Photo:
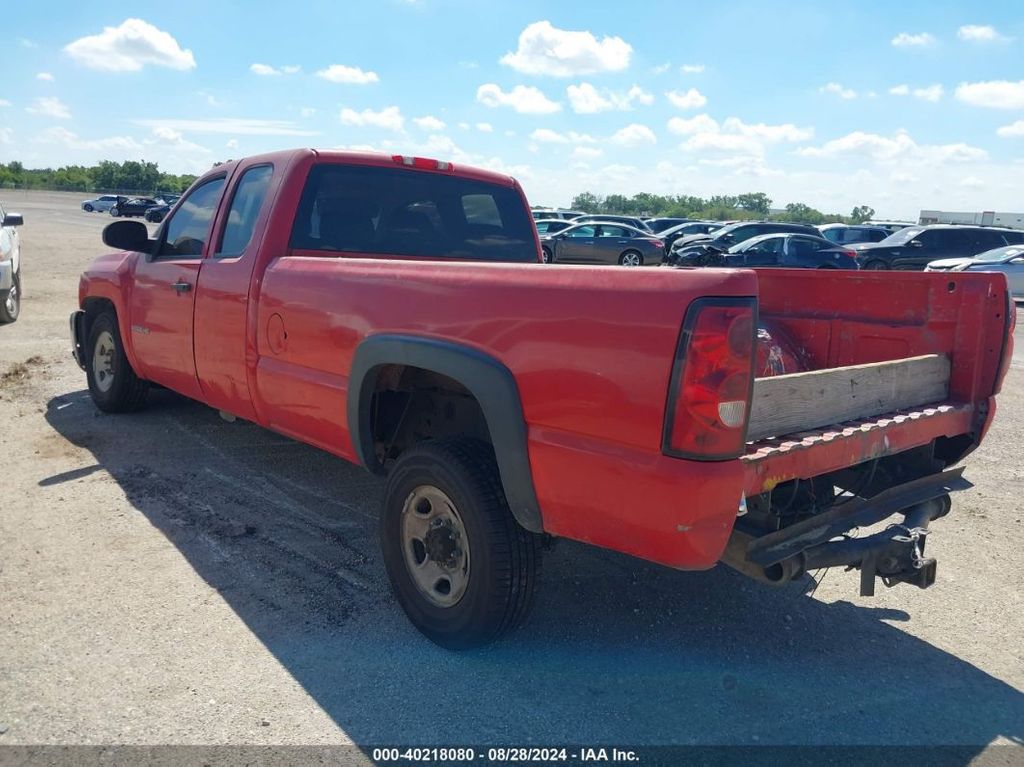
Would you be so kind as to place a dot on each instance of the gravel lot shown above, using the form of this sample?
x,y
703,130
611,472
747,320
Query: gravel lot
x,y
168,577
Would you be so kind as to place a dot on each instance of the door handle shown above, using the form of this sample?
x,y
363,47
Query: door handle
x,y
182,287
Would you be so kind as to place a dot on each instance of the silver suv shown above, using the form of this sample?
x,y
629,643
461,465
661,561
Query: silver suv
x,y
103,203
10,266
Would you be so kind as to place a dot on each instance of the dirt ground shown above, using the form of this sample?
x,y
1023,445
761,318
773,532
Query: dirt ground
x,y
168,577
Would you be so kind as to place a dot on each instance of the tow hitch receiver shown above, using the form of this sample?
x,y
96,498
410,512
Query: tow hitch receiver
x,y
896,554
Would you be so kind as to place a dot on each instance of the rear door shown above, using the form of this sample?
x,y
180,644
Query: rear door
x,y
765,253
610,242
164,289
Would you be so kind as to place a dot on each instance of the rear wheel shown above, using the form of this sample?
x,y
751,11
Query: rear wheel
x,y
10,308
460,566
875,266
631,258
115,212
113,385
546,255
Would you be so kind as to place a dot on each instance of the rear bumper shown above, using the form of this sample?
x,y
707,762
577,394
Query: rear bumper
x,y
77,326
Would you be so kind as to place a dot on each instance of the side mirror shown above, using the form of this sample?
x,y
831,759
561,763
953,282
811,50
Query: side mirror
x,y
13,219
127,235
916,244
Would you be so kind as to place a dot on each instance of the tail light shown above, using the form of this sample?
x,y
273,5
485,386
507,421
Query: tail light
x,y
712,381
1011,324
658,243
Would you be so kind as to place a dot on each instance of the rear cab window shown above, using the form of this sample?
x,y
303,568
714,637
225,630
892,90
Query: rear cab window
x,y
375,210
246,204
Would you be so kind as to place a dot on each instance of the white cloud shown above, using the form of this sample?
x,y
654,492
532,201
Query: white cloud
x,y
838,90
546,50
997,94
485,127
691,69
907,40
586,99
464,126
1012,130
900,90
268,71
389,118
339,73
49,106
4,103
979,33
972,182
770,133
45,77
634,135
129,47
661,68
889,148
232,143
692,99
524,99
586,153
548,136
231,125
688,126
428,123
71,140
931,93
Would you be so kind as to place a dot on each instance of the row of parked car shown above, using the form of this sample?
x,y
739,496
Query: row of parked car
x,y
151,208
572,237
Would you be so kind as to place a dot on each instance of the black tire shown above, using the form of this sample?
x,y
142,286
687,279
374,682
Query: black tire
x,y
115,212
10,301
875,266
628,254
503,558
88,208
546,255
123,391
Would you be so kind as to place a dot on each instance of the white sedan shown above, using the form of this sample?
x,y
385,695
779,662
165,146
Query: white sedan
x,y
10,266
1009,260
103,203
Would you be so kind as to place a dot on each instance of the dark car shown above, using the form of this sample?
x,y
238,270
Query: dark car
x,y
689,250
672,234
659,225
849,234
551,225
603,242
157,213
914,247
636,223
794,251
132,206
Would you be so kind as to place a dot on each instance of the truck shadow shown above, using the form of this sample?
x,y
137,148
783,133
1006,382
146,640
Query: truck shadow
x,y
617,650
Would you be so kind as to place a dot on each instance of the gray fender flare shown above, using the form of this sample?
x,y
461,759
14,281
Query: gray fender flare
x,y
486,378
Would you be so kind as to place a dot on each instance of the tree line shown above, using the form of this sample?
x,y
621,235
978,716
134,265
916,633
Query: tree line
x,y
107,176
752,205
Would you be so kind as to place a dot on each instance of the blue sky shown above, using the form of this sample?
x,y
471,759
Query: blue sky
x,y
900,106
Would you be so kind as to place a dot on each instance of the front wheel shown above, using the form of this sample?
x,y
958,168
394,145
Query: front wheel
x,y
10,308
88,208
460,565
875,266
113,385
545,254
631,258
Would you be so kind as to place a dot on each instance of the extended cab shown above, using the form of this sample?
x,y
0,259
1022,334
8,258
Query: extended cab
x,y
394,312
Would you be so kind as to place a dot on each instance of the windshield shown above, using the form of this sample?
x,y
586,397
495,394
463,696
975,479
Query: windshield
x,y
903,236
996,255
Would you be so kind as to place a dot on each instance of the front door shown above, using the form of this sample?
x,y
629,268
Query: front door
x,y
164,289
577,244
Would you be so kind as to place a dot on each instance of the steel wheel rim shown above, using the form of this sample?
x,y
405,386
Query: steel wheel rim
x,y
103,361
11,303
435,547
545,256
631,259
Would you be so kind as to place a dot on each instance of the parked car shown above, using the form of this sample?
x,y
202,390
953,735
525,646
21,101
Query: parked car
x,y
916,246
848,234
169,199
632,409
157,213
689,250
1009,260
795,251
132,206
602,242
549,213
10,266
891,226
636,223
659,225
551,225
672,234
102,204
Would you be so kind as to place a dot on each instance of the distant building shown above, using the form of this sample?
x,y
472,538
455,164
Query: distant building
x,y
983,218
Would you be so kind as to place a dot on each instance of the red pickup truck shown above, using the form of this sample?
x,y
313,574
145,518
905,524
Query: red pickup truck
x,y
394,311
